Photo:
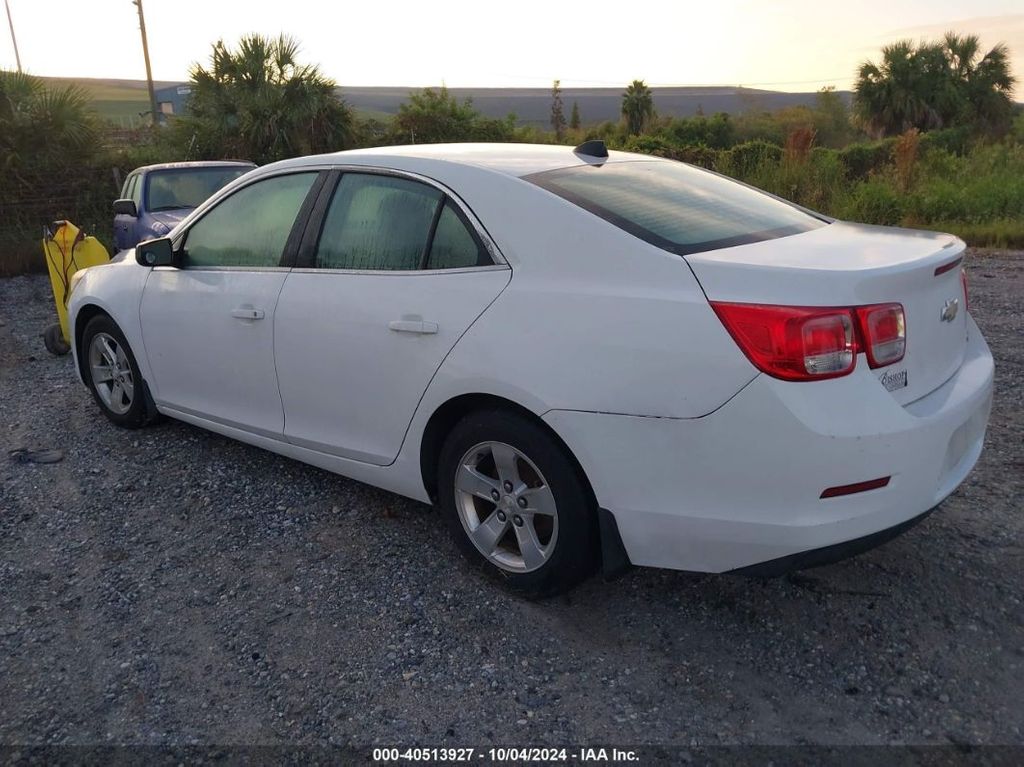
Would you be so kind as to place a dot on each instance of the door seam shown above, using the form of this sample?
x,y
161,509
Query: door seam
x,y
273,352
440,365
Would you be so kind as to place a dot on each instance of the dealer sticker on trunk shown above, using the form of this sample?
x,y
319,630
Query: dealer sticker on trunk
x,y
894,379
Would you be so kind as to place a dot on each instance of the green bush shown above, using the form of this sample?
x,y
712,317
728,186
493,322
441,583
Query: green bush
x,y
745,160
1016,134
717,131
612,133
758,126
650,145
984,185
702,156
872,202
953,140
861,160
1001,233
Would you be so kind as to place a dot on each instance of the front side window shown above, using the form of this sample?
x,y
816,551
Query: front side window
x,y
251,227
386,223
676,207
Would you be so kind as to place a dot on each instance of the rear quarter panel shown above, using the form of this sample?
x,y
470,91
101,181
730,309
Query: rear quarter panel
x,y
594,319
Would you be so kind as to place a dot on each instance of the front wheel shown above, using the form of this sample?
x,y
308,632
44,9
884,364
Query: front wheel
x,y
516,504
113,375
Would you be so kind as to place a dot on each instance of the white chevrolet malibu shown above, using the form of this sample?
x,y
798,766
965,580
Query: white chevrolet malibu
x,y
584,359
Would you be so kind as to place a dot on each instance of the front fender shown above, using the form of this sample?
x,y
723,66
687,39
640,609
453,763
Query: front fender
x,y
114,289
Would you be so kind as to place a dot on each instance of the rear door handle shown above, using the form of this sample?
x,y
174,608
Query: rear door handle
x,y
247,313
413,326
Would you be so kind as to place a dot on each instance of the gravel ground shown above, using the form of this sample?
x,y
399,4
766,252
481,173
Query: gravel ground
x,y
170,586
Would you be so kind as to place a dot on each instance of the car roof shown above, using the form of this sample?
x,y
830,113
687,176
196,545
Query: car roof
x,y
508,159
195,164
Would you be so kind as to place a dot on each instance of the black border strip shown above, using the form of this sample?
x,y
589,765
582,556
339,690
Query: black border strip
x,y
827,555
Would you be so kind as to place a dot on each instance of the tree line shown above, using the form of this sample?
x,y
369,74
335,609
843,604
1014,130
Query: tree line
x,y
917,117
258,100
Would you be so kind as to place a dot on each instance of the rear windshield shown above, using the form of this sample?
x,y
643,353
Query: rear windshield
x,y
177,188
677,207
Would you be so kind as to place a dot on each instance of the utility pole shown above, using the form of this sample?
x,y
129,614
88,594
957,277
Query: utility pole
x,y
149,70
10,23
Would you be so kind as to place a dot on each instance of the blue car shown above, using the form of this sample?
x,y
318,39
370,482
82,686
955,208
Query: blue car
x,y
156,197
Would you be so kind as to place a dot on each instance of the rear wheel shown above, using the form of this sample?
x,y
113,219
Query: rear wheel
x,y
113,375
516,504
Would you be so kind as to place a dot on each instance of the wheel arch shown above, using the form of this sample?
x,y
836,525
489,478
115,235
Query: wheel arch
x,y
86,314
444,418
82,318
614,559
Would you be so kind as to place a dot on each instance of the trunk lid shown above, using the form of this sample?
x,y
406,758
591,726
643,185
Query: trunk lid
x,y
852,265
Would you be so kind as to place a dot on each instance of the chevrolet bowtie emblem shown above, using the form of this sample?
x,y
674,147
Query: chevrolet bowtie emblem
x,y
949,310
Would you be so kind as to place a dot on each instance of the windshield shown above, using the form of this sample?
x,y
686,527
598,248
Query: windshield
x,y
176,188
677,207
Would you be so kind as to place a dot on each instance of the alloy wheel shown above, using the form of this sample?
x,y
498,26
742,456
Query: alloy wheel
x,y
506,507
111,373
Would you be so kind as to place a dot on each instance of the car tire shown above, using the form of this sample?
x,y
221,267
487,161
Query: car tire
x,y
118,388
516,504
53,340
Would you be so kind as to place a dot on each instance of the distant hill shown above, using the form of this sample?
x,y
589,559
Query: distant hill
x,y
533,105
122,101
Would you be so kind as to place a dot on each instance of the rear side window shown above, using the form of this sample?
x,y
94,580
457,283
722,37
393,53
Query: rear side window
x,y
386,223
377,222
454,245
136,192
130,188
677,207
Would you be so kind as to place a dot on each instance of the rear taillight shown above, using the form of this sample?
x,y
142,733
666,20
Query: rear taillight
x,y
963,281
809,343
884,333
793,343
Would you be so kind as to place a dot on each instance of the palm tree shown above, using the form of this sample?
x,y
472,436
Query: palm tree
x,y
637,106
257,101
899,93
984,80
41,125
935,85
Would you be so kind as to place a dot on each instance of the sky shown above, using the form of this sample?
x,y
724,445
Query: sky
x,y
792,45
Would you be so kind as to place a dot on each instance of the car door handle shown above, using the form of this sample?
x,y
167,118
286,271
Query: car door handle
x,y
247,313
413,326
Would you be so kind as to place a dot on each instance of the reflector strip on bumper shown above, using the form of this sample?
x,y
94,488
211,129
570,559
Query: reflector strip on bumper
x,y
857,487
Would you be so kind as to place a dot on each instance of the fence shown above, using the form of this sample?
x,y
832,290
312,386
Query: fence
x,y
31,197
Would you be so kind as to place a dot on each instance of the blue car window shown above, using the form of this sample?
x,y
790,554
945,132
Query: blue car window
x,y
179,188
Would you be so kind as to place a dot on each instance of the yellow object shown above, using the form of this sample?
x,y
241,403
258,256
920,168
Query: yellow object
x,y
68,250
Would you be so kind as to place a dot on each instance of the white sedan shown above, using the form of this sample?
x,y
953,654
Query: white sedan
x,y
584,359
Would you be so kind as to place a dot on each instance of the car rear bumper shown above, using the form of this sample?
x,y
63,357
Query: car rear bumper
x,y
742,486
827,555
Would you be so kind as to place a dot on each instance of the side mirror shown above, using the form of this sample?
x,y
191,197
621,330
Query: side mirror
x,y
156,253
125,208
